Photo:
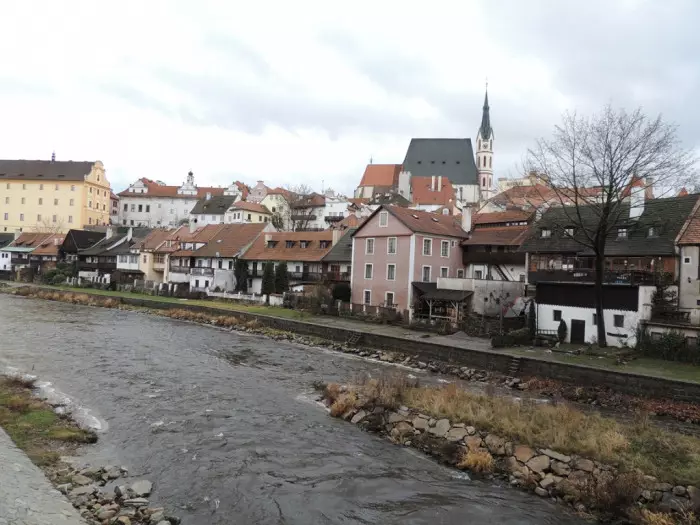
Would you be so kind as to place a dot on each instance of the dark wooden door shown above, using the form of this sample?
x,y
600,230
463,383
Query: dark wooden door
x,y
578,331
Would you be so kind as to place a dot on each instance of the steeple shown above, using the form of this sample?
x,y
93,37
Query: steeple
x,y
485,129
484,151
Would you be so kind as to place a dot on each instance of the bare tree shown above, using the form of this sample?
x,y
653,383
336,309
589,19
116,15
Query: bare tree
x,y
47,226
295,216
594,167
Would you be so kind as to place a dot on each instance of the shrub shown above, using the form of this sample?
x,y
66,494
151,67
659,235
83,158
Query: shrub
x,y
512,338
342,292
532,320
345,402
476,461
672,346
561,331
281,278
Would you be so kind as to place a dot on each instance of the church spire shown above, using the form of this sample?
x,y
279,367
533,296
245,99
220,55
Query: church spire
x,y
485,129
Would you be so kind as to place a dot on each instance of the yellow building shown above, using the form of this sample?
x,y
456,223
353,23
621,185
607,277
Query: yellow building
x,y
38,195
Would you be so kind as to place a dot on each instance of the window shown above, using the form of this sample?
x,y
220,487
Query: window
x,y
24,186
133,207
89,204
426,274
390,272
148,208
369,246
478,274
21,216
545,233
383,218
427,246
569,232
90,220
686,260
249,216
622,233
196,283
444,248
7,216
460,274
444,271
126,207
72,188
595,319
23,200
389,299
391,246
72,201
7,200
70,219
368,271
56,188
619,321
557,315
90,190
230,265
651,232
38,218
131,222
140,207
367,297
289,244
104,207
41,186
303,244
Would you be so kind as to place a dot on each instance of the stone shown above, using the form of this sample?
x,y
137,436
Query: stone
x,y
157,516
79,479
441,428
473,442
113,473
136,502
92,472
471,430
420,423
555,455
694,496
679,490
579,478
123,520
663,487
141,488
549,480
164,522
63,488
541,492
121,491
396,418
539,463
647,495
671,503
523,453
495,444
128,512
402,429
459,425
584,464
456,434
559,468
509,448
106,514
358,417
81,491
514,466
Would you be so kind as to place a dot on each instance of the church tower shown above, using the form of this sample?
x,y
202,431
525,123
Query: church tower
x,y
484,152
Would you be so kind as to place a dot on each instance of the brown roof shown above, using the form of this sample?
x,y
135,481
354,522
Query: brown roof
x,y
502,217
113,196
183,235
351,221
358,202
498,236
424,222
159,190
29,239
154,239
422,192
259,251
44,170
306,201
381,175
230,240
250,206
281,191
690,233
50,244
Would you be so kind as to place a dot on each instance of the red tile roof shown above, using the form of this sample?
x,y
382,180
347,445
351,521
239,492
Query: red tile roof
x,y
154,239
424,222
158,190
502,217
230,239
424,191
498,236
259,251
50,244
29,239
381,175
307,201
183,235
250,206
690,233
288,195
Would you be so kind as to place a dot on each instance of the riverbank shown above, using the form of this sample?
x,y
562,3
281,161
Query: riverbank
x,y
594,464
48,436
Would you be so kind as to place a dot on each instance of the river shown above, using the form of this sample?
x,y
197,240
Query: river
x,y
227,428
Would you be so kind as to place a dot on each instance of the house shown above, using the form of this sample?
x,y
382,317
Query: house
x,y
382,178
38,252
307,213
153,203
98,262
238,191
179,250
128,261
278,202
152,262
492,250
42,195
5,257
640,246
114,208
337,263
258,192
247,212
335,208
397,249
77,240
302,251
688,242
211,209
433,193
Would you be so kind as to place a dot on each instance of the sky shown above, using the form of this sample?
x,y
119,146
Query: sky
x,y
307,92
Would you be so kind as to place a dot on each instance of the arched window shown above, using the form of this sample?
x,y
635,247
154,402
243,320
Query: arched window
x,y
483,182
479,144
490,159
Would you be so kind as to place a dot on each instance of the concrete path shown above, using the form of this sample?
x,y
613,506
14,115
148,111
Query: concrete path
x,y
26,496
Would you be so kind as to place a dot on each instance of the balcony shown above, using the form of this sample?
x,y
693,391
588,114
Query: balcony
x,y
179,269
337,276
482,257
208,272
333,218
631,277
305,276
106,266
303,217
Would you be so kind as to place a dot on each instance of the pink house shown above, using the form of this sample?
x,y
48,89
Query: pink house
x,y
397,247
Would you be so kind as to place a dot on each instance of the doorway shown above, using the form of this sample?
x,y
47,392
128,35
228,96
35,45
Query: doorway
x,y
578,331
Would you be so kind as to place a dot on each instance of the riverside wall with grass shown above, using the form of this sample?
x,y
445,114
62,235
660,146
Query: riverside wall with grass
x,y
594,464
424,351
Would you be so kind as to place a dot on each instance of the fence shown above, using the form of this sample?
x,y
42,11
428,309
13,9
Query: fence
x,y
275,299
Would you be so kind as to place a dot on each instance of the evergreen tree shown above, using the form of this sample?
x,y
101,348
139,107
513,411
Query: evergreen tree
x,y
281,278
532,320
268,279
240,271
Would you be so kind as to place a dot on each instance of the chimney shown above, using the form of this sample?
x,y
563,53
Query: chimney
x,y
193,225
432,183
208,196
129,234
649,188
337,234
439,183
108,233
467,218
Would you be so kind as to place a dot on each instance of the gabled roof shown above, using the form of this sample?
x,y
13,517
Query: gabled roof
x,y
425,191
6,238
452,158
29,240
502,217
260,251
44,170
389,198
342,251
215,205
288,195
381,175
154,239
309,201
230,239
351,221
665,216
690,233
103,245
84,238
50,244
423,222
250,206
498,236
161,190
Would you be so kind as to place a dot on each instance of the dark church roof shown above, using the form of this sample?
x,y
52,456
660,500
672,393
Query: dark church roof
x,y
451,158
485,129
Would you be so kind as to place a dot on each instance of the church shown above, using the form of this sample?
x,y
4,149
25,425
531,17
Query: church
x,y
453,175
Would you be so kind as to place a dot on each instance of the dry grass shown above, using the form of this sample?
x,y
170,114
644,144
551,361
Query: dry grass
x,y
479,461
343,403
647,517
20,381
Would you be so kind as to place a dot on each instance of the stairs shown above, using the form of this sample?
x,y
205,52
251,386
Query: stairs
x,y
514,367
354,339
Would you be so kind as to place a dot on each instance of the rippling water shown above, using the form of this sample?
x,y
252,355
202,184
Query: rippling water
x,y
226,427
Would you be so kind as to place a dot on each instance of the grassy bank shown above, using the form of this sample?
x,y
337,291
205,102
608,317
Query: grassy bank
x,y
669,456
33,425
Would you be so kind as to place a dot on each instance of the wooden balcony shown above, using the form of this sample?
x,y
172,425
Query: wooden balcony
x,y
208,272
631,277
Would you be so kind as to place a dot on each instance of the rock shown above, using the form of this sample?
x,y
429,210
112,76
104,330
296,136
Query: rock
x,y
549,480
106,514
514,466
420,423
395,418
441,428
123,520
473,442
402,429
647,495
495,444
459,425
163,523
679,490
81,491
174,520
539,464
128,512
671,503
559,468
79,479
92,472
113,473
141,488
579,478
456,434
523,453
157,516
471,431
63,488
584,464
136,502
121,491
358,417
509,448
663,487
555,455
541,492
694,496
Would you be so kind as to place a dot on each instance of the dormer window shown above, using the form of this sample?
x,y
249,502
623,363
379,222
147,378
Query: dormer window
x,y
290,244
569,231
652,232
622,233
271,244
545,233
304,244
325,244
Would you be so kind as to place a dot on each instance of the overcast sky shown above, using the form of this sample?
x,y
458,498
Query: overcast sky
x,y
307,91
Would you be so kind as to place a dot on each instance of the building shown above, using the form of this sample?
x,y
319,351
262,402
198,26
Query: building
x,y
52,196
5,257
153,203
484,152
492,250
98,262
114,208
383,178
307,213
302,251
247,212
37,252
179,249
238,191
152,263
278,202
77,240
336,265
258,192
433,193
531,179
211,209
688,241
396,248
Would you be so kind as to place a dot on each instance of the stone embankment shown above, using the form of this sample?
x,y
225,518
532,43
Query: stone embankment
x,y
586,485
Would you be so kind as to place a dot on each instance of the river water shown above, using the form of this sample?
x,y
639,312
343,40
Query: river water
x,y
227,428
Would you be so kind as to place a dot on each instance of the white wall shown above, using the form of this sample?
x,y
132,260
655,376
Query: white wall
x,y
164,211
513,271
5,261
545,321
469,193
205,219
689,289
128,262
